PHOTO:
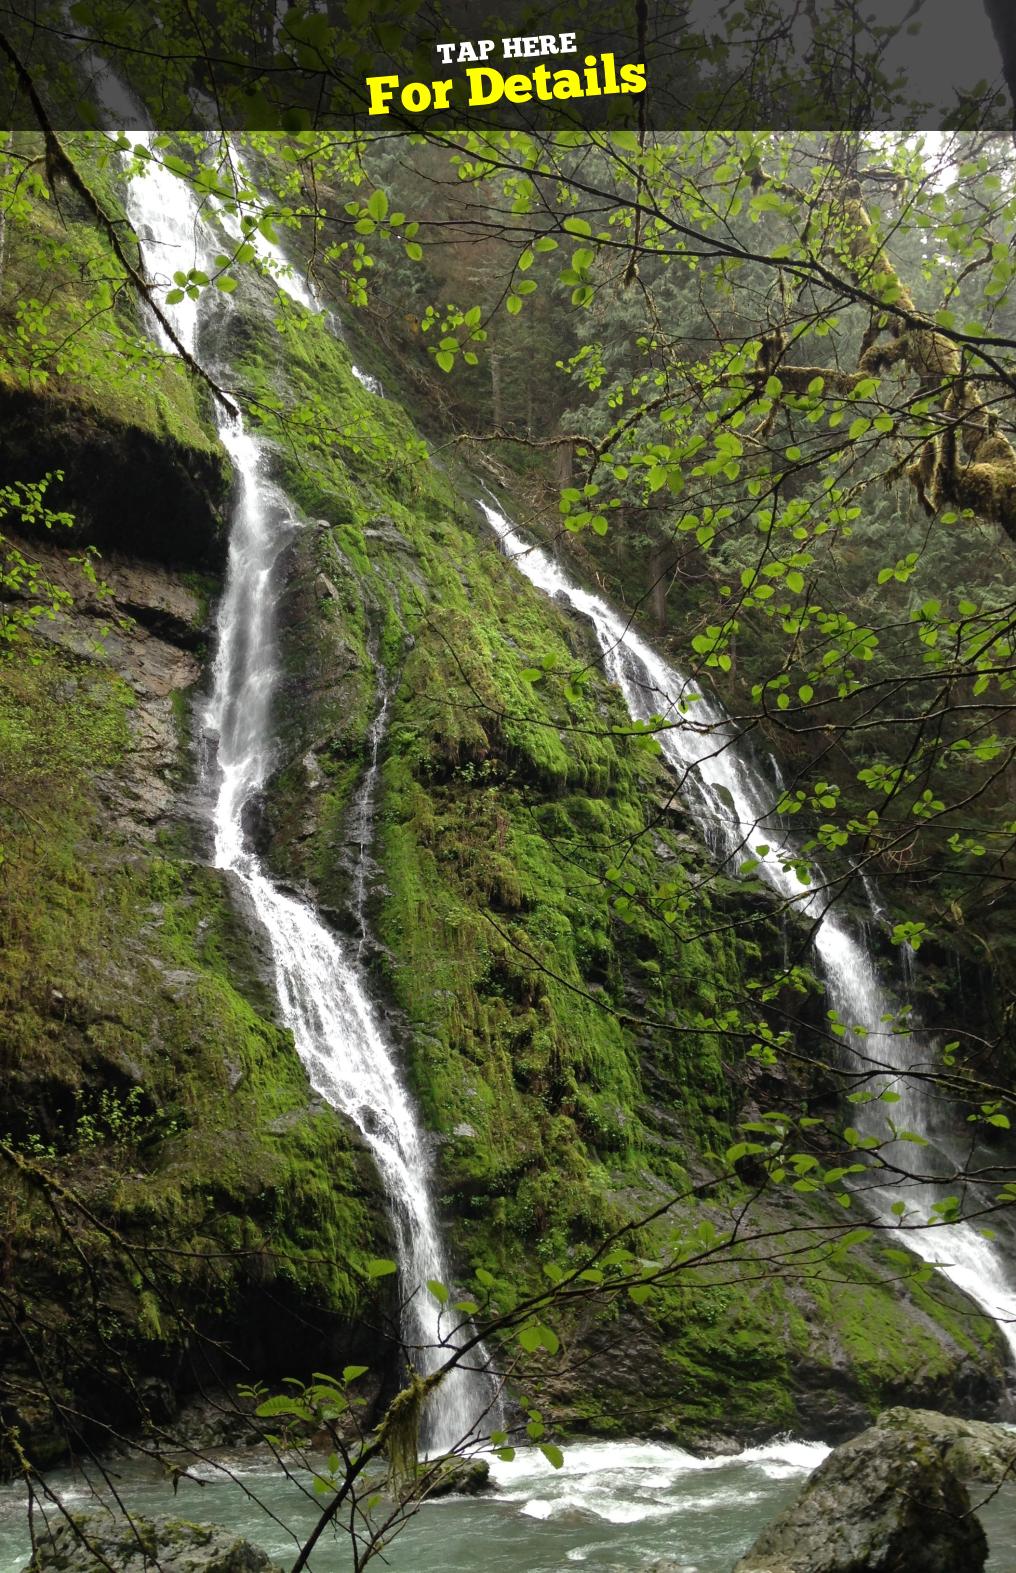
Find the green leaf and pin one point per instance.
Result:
(283, 1404)
(377, 205)
(552, 1453)
(414, 251)
(351, 1372)
(538, 1336)
(445, 359)
(226, 283)
(438, 1290)
(381, 1267)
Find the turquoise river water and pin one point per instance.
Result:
(613, 1508)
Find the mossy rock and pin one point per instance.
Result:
(103, 1543)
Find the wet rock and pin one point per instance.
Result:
(667, 1565)
(461, 1477)
(884, 1502)
(973, 1449)
(217, 1420)
(386, 534)
(124, 485)
(101, 1542)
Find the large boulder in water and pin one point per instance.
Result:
(106, 1543)
(453, 1476)
(973, 1449)
(885, 1502)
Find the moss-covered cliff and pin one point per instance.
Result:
(179, 1209)
(570, 1061)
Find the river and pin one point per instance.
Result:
(614, 1506)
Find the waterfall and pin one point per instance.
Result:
(727, 796)
(362, 814)
(322, 996)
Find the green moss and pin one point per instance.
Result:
(559, 1032)
(886, 1337)
(143, 1073)
(565, 1053)
(73, 327)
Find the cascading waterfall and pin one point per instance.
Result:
(322, 996)
(362, 813)
(727, 796)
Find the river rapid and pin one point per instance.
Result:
(615, 1507)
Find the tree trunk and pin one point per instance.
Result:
(5, 169)
(497, 409)
(1002, 17)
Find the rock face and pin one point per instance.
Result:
(973, 1449)
(885, 1502)
(102, 1543)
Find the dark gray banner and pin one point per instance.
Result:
(645, 65)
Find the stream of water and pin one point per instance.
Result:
(731, 801)
(614, 1508)
(322, 995)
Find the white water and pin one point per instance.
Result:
(371, 384)
(321, 994)
(280, 270)
(731, 803)
(361, 819)
(632, 1482)
(270, 254)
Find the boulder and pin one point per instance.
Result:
(463, 1477)
(973, 1449)
(102, 1542)
(884, 1502)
